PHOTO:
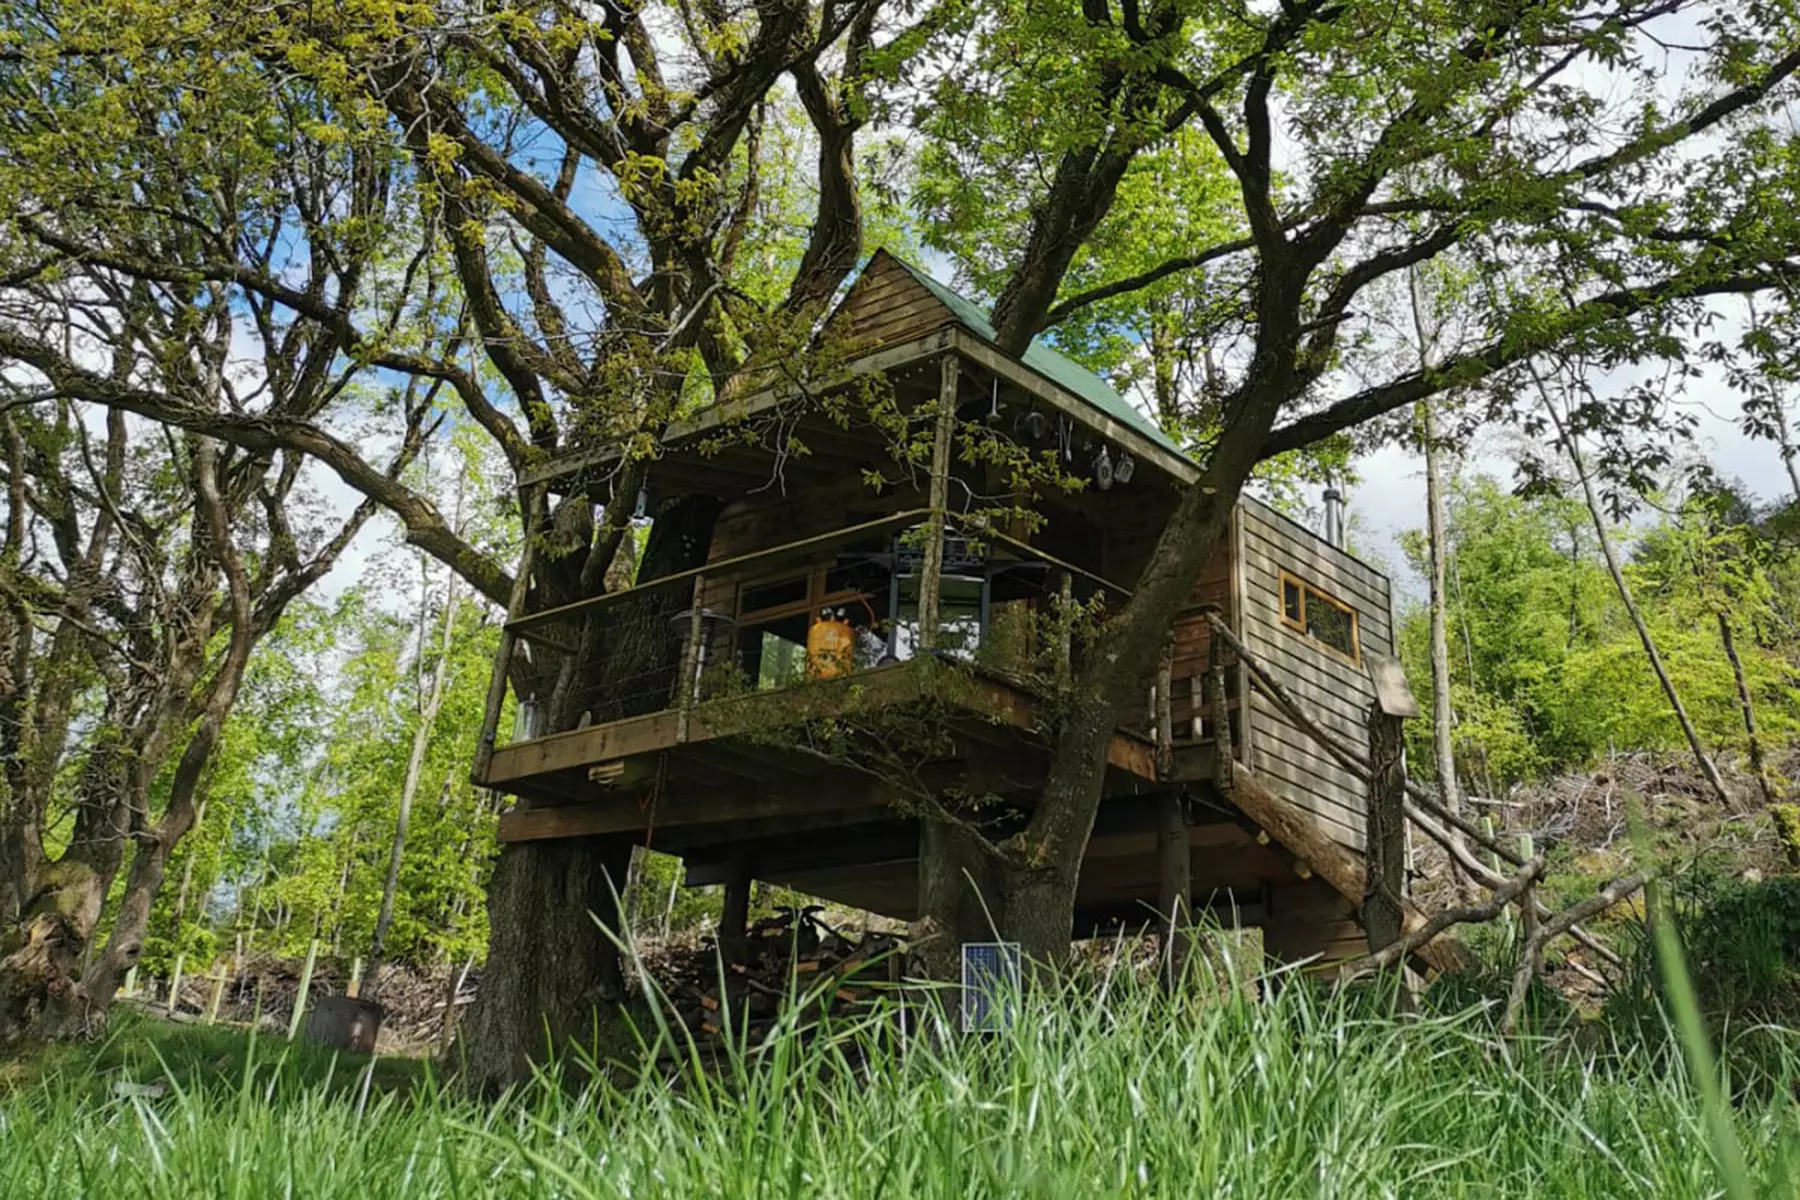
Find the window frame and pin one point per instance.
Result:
(1306, 589)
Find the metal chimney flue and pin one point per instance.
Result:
(1334, 517)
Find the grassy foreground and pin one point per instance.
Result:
(1121, 1093)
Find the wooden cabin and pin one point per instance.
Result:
(807, 620)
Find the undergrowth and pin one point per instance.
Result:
(1107, 1088)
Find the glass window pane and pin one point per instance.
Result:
(1290, 600)
(1332, 625)
(756, 597)
(959, 616)
(774, 654)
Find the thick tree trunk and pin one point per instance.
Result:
(553, 980)
(960, 898)
(1443, 713)
(551, 974)
(41, 997)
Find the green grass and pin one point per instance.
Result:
(140, 1049)
(1108, 1090)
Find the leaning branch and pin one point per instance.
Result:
(425, 526)
(1420, 801)
(1508, 351)
(1487, 910)
(1531, 961)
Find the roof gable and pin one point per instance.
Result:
(892, 300)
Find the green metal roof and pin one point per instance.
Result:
(1058, 368)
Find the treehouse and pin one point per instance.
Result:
(806, 663)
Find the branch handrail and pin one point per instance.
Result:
(1417, 796)
(798, 548)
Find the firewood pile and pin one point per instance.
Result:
(793, 953)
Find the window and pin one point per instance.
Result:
(1319, 616)
(775, 618)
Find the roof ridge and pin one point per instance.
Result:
(1042, 357)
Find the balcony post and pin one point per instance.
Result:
(687, 687)
(931, 571)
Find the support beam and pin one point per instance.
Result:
(1386, 831)
(735, 918)
(932, 570)
(1174, 861)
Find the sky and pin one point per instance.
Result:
(1389, 497)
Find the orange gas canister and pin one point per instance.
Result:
(830, 645)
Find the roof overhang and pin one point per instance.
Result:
(951, 339)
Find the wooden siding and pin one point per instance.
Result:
(1130, 520)
(1337, 691)
(887, 305)
(1306, 918)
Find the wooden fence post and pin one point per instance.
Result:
(306, 974)
(218, 994)
(175, 984)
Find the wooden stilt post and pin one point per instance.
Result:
(931, 571)
(355, 985)
(175, 984)
(1383, 905)
(1174, 879)
(735, 917)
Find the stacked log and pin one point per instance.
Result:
(793, 956)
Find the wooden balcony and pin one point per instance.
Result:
(760, 756)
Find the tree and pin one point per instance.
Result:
(430, 702)
(1360, 141)
(153, 559)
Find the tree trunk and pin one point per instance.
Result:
(40, 959)
(553, 978)
(1701, 757)
(42, 955)
(550, 972)
(960, 898)
(1787, 816)
(429, 705)
(1443, 714)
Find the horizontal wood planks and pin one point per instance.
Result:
(1337, 692)
(886, 304)
(1307, 917)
